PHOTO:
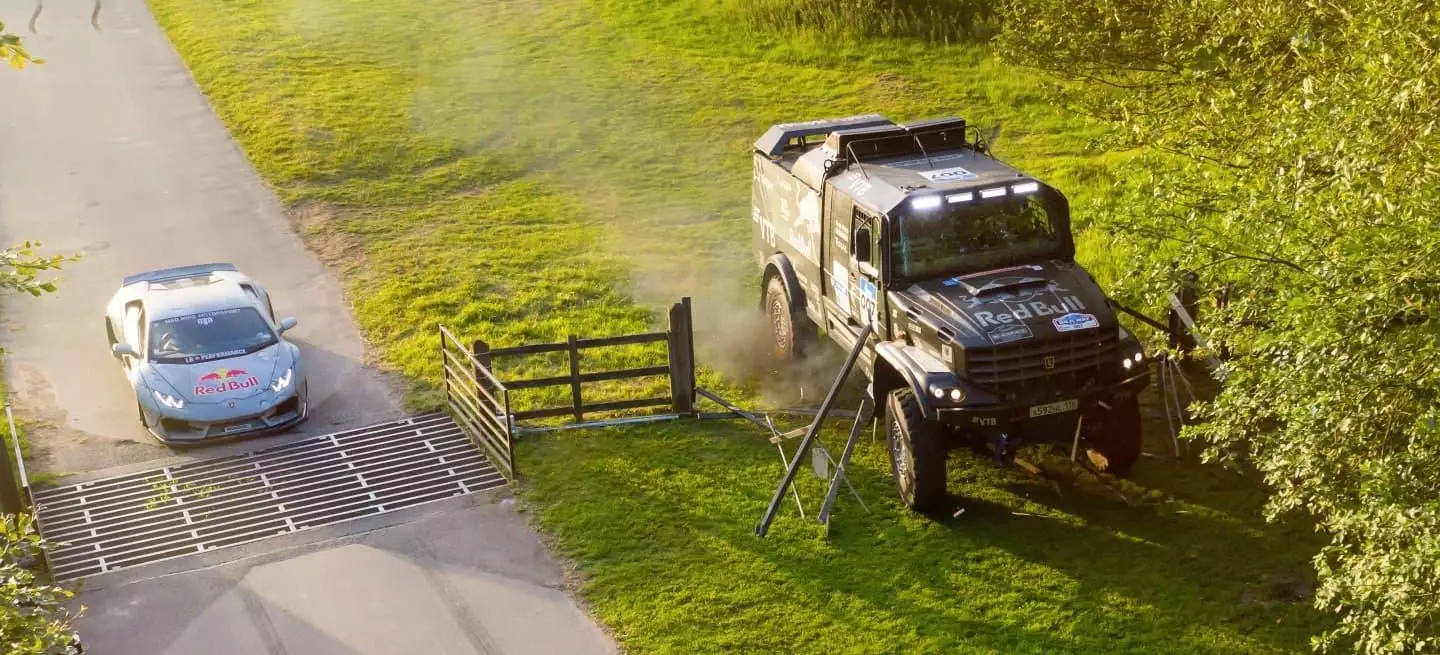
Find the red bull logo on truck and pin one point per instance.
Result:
(222, 380)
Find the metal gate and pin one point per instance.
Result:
(479, 402)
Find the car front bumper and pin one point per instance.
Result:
(208, 424)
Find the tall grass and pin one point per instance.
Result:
(943, 21)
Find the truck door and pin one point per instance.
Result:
(865, 271)
(837, 266)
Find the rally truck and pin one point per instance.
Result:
(985, 330)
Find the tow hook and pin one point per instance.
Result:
(1004, 449)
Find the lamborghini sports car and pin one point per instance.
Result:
(205, 354)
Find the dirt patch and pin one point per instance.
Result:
(318, 224)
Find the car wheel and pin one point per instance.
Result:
(140, 411)
(1117, 442)
(917, 452)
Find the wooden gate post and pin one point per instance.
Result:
(575, 396)
(1189, 296)
(11, 501)
(680, 345)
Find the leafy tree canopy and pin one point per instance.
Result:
(1287, 151)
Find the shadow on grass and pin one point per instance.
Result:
(662, 522)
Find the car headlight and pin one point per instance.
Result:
(168, 400)
(1132, 361)
(283, 381)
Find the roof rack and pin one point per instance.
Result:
(778, 137)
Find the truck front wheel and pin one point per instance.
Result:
(786, 327)
(917, 452)
(1116, 445)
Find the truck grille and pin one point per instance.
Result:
(1057, 362)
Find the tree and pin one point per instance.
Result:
(1286, 151)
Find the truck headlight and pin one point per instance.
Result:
(1127, 363)
(168, 400)
(283, 381)
(955, 394)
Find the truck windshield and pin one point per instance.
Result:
(974, 236)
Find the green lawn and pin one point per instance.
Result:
(522, 171)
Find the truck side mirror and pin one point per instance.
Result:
(862, 245)
(123, 350)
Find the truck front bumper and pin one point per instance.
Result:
(1059, 409)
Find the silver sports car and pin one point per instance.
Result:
(205, 354)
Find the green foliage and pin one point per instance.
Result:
(12, 51)
(20, 269)
(33, 617)
(1290, 157)
(935, 20)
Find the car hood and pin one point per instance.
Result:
(227, 379)
(1018, 303)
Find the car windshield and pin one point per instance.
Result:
(209, 336)
(974, 236)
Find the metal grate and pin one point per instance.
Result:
(146, 517)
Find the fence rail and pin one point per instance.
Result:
(679, 367)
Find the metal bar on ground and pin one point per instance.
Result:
(830, 397)
(602, 423)
(829, 503)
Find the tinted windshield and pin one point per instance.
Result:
(208, 336)
(974, 236)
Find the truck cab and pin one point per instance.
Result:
(986, 330)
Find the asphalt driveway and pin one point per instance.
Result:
(109, 151)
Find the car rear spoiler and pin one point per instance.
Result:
(176, 273)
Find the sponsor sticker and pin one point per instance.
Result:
(1072, 322)
(222, 380)
(948, 175)
(1009, 333)
(212, 356)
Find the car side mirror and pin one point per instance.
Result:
(862, 245)
(288, 323)
(123, 349)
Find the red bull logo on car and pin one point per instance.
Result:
(221, 380)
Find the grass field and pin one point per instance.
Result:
(523, 171)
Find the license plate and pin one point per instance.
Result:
(1054, 408)
(237, 428)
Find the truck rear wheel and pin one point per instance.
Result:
(1116, 445)
(917, 452)
(787, 328)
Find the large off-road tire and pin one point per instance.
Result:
(788, 328)
(1116, 443)
(917, 452)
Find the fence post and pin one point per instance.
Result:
(10, 499)
(481, 351)
(682, 359)
(1188, 294)
(575, 378)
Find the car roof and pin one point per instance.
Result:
(189, 295)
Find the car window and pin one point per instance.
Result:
(209, 336)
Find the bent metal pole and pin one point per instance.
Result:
(794, 466)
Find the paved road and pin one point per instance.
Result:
(464, 576)
(109, 150)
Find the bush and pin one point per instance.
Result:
(1289, 155)
(33, 616)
